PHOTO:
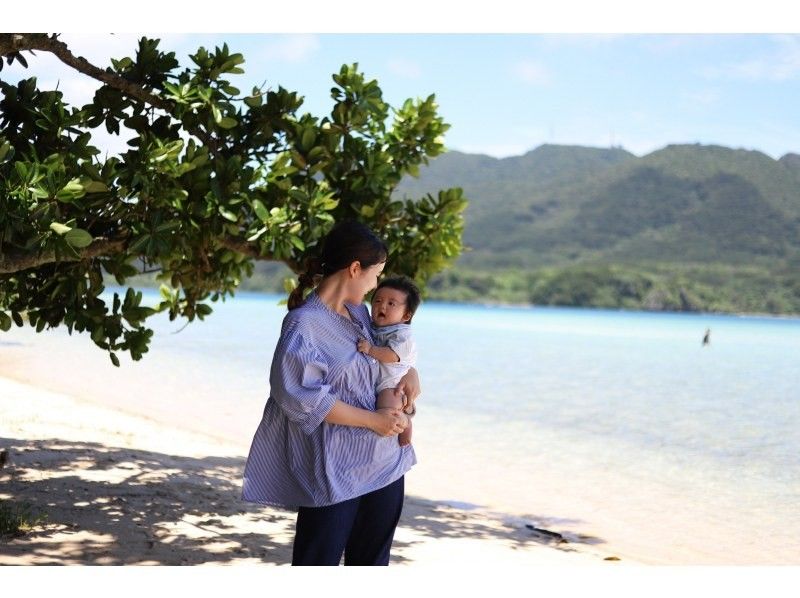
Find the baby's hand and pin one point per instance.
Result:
(364, 346)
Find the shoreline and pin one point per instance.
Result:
(119, 488)
(524, 305)
(512, 305)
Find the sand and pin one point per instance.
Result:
(114, 488)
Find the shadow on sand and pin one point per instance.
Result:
(108, 505)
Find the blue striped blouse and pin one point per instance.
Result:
(296, 458)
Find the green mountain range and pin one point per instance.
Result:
(688, 227)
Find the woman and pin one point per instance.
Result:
(321, 446)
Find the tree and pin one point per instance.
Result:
(213, 180)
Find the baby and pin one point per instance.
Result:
(393, 305)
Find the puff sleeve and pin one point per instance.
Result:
(402, 343)
(298, 378)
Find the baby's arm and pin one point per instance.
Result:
(382, 354)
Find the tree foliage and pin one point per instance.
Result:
(648, 286)
(213, 178)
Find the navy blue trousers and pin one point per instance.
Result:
(362, 528)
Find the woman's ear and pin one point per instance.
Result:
(354, 269)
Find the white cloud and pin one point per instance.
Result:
(532, 72)
(290, 48)
(701, 97)
(405, 68)
(496, 150)
(781, 65)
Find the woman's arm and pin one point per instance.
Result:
(408, 389)
(384, 422)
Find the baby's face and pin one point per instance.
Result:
(389, 307)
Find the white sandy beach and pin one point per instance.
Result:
(115, 488)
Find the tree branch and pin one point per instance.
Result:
(11, 43)
(252, 250)
(16, 42)
(16, 262)
(245, 248)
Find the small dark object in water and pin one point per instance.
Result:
(545, 532)
(612, 558)
(3, 458)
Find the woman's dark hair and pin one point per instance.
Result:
(407, 286)
(347, 242)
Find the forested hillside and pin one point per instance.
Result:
(686, 227)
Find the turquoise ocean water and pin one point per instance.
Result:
(618, 425)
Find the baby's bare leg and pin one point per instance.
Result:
(387, 398)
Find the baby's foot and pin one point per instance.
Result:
(404, 438)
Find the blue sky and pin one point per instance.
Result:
(505, 94)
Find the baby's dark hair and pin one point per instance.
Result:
(407, 286)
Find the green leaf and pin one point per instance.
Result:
(367, 211)
(260, 209)
(17, 318)
(173, 89)
(78, 238)
(95, 187)
(167, 226)
(257, 234)
(330, 204)
(70, 191)
(5, 322)
(227, 214)
(297, 194)
(22, 170)
(59, 228)
(228, 123)
(138, 244)
(4, 150)
(253, 101)
(39, 192)
(98, 334)
(309, 135)
(124, 63)
(114, 359)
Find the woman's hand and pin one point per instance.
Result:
(388, 421)
(408, 390)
